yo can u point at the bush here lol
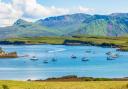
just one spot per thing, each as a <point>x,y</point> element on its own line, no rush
<point>5,87</point>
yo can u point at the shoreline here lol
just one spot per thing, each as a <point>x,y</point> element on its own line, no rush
<point>101,41</point>
<point>71,78</point>
<point>68,43</point>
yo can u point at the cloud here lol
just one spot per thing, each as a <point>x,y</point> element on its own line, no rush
<point>30,9</point>
<point>84,9</point>
<point>8,14</point>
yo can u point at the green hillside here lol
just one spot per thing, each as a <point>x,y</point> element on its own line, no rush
<point>115,24</point>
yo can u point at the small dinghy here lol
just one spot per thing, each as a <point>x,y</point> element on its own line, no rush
<point>34,58</point>
<point>73,57</point>
<point>115,55</point>
<point>45,61</point>
<point>84,59</point>
<point>88,51</point>
<point>54,59</point>
<point>109,53</point>
<point>110,58</point>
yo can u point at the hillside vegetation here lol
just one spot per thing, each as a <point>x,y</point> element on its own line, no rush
<point>120,42</point>
<point>115,24</point>
<point>64,85</point>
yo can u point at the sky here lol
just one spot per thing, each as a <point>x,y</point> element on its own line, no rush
<point>31,10</point>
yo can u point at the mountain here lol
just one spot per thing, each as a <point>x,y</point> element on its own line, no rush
<point>23,28</point>
<point>65,23</point>
<point>115,24</point>
<point>105,25</point>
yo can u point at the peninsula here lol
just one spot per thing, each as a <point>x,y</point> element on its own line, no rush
<point>4,54</point>
<point>119,42</point>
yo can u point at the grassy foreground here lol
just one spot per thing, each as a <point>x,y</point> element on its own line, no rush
<point>64,85</point>
<point>121,42</point>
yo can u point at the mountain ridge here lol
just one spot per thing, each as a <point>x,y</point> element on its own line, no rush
<point>115,24</point>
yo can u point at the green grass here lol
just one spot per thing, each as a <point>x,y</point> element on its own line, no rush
<point>121,42</point>
<point>64,85</point>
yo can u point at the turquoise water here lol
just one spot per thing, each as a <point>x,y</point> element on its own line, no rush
<point>23,68</point>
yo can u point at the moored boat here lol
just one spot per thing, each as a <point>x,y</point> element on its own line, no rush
<point>109,53</point>
<point>45,61</point>
<point>54,59</point>
<point>110,58</point>
<point>73,57</point>
<point>88,51</point>
<point>84,59</point>
<point>34,58</point>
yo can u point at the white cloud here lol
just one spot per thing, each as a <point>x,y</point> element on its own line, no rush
<point>30,9</point>
<point>84,9</point>
<point>8,14</point>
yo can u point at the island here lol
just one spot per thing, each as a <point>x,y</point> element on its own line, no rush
<point>4,54</point>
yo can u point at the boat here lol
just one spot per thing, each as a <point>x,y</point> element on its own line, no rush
<point>73,56</point>
<point>54,60</point>
<point>112,55</point>
<point>4,54</point>
<point>24,56</point>
<point>110,58</point>
<point>88,51</point>
<point>84,59</point>
<point>109,53</point>
<point>115,55</point>
<point>45,61</point>
<point>34,58</point>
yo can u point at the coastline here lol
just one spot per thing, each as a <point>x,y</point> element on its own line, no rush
<point>74,78</point>
<point>110,42</point>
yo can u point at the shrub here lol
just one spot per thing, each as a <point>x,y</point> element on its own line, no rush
<point>5,87</point>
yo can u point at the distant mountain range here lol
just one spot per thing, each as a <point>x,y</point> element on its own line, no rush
<point>115,24</point>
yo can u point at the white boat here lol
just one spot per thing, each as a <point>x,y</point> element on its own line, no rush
<point>84,59</point>
<point>34,58</point>
<point>114,55</point>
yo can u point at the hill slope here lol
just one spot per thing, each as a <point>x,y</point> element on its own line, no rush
<point>115,24</point>
<point>22,28</point>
